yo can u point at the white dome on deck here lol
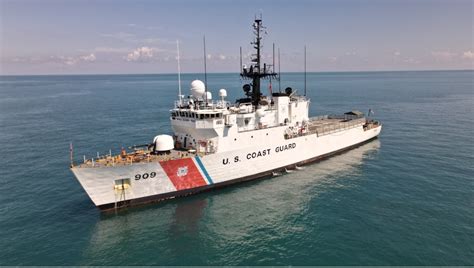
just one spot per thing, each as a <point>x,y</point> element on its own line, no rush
<point>222,93</point>
<point>163,143</point>
<point>197,88</point>
<point>260,112</point>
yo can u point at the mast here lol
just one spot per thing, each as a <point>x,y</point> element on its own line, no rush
<point>205,69</point>
<point>279,71</point>
<point>256,72</point>
<point>305,70</point>
<point>179,75</point>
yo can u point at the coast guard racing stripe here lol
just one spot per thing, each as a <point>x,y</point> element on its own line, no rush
<point>203,169</point>
<point>183,173</point>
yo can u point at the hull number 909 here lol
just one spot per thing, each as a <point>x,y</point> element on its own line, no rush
<point>145,176</point>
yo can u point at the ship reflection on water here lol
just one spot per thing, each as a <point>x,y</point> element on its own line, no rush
<point>225,215</point>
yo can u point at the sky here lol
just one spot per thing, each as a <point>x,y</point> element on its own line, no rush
<point>139,36</point>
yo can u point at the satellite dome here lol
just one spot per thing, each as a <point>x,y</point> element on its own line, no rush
<point>197,88</point>
<point>260,112</point>
<point>222,93</point>
<point>163,143</point>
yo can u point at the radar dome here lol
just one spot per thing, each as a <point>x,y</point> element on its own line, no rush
<point>222,93</point>
<point>163,143</point>
<point>260,112</point>
<point>197,88</point>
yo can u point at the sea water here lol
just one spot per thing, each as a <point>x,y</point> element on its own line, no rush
<point>406,198</point>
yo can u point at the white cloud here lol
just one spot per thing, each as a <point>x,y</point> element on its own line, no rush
<point>412,61</point>
<point>443,55</point>
<point>140,54</point>
<point>67,60</point>
<point>88,58</point>
<point>468,55</point>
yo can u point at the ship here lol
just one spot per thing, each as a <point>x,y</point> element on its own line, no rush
<point>216,143</point>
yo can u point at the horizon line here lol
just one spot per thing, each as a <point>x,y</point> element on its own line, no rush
<point>290,72</point>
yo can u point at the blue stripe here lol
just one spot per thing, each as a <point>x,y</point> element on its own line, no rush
<point>198,160</point>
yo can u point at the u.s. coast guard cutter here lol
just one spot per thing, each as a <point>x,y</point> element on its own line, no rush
<point>216,143</point>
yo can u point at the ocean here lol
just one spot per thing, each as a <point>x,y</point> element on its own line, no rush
<point>406,198</point>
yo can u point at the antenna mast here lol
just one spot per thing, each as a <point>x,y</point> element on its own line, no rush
<point>179,75</point>
<point>305,70</point>
<point>279,71</point>
<point>205,69</point>
<point>240,59</point>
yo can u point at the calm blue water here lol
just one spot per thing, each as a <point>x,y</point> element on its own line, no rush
<point>405,199</point>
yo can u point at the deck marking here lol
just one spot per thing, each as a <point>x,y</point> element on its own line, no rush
<point>198,160</point>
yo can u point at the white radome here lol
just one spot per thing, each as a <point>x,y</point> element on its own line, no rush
<point>163,143</point>
<point>222,93</point>
<point>260,112</point>
<point>197,88</point>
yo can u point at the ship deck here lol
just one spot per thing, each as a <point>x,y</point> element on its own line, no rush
<point>321,125</point>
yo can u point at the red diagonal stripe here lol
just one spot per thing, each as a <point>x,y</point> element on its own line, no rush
<point>189,175</point>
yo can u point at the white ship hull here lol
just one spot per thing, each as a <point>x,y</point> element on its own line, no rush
<point>258,157</point>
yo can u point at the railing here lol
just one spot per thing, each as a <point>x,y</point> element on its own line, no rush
<point>201,105</point>
<point>327,129</point>
<point>322,128</point>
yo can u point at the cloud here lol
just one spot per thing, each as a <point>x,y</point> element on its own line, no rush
<point>412,61</point>
<point>67,60</point>
<point>443,55</point>
<point>468,55</point>
<point>140,54</point>
<point>88,58</point>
